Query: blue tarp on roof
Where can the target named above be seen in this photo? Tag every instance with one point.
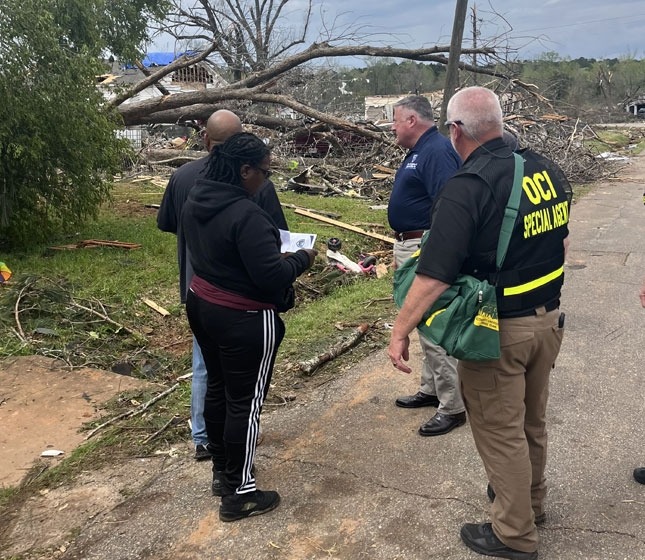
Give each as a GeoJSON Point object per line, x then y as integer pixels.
{"type": "Point", "coordinates": [160, 58]}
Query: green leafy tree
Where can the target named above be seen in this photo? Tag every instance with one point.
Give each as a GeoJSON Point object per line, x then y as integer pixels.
{"type": "Point", "coordinates": [58, 150]}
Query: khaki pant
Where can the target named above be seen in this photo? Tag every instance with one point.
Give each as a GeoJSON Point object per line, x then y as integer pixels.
{"type": "Point", "coordinates": [506, 403]}
{"type": "Point", "coordinates": [439, 371]}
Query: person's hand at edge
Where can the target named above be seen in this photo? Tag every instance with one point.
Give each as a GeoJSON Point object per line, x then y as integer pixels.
{"type": "Point", "coordinates": [311, 253]}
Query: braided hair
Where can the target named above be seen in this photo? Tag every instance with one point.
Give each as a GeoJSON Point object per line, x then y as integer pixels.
{"type": "Point", "coordinates": [226, 159]}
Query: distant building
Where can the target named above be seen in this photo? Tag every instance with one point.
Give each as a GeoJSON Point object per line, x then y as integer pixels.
{"type": "Point", "coordinates": [380, 108]}
{"type": "Point", "coordinates": [197, 77]}
{"type": "Point", "coordinates": [636, 107]}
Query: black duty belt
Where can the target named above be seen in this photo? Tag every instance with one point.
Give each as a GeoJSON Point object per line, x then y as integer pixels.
{"type": "Point", "coordinates": [405, 235]}
{"type": "Point", "coordinates": [547, 307]}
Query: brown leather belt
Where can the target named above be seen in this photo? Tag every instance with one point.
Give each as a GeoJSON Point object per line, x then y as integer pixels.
{"type": "Point", "coordinates": [405, 235]}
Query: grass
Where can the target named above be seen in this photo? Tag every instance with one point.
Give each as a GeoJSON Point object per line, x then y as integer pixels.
{"type": "Point", "coordinates": [630, 140]}
{"type": "Point", "coordinates": [50, 284]}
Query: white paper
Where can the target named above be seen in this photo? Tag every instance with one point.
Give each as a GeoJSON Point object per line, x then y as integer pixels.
{"type": "Point", "coordinates": [292, 242]}
{"type": "Point", "coordinates": [52, 453]}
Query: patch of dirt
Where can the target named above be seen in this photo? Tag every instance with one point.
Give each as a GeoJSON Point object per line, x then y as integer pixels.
{"type": "Point", "coordinates": [43, 405]}
{"type": "Point", "coordinates": [48, 521]}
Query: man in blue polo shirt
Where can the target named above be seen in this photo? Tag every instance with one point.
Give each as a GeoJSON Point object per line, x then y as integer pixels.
{"type": "Point", "coordinates": [429, 163]}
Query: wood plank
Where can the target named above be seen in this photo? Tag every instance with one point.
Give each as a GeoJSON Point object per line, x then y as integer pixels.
{"type": "Point", "coordinates": [384, 169]}
{"type": "Point", "coordinates": [345, 226]}
{"type": "Point", "coordinates": [156, 307]}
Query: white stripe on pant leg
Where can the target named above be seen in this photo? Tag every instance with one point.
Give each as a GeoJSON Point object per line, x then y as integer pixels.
{"type": "Point", "coordinates": [268, 329]}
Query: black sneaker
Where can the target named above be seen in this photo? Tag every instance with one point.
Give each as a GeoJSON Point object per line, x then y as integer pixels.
{"type": "Point", "coordinates": [639, 475]}
{"type": "Point", "coordinates": [239, 506]}
{"type": "Point", "coordinates": [202, 453]}
{"type": "Point", "coordinates": [481, 538]}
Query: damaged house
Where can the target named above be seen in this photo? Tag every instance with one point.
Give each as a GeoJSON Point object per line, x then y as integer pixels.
{"type": "Point", "coordinates": [121, 76]}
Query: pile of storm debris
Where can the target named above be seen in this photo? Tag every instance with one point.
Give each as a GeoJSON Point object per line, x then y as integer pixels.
{"type": "Point", "coordinates": [327, 162]}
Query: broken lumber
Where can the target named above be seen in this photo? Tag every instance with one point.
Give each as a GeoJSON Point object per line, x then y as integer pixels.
{"type": "Point", "coordinates": [90, 243]}
{"type": "Point", "coordinates": [384, 169]}
{"type": "Point", "coordinates": [309, 366]}
{"type": "Point", "coordinates": [156, 307]}
{"type": "Point", "coordinates": [345, 226]}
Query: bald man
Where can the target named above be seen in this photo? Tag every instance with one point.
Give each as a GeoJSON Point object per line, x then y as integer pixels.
{"type": "Point", "coordinates": [220, 126]}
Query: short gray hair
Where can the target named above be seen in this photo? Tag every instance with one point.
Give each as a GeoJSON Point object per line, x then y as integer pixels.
{"type": "Point", "coordinates": [418, 104]}
{"type": "Point", "coordinates": [478, 109]}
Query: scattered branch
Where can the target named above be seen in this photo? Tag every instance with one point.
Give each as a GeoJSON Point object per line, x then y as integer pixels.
{"type": "Point", "coordinates": [133, 412]}
{"type": "Point", "coordinates": [309, 366]}
{"type": "Point", "coordinates": [161, 430]}
{"type": "Point", "coordinates": [107, 319]}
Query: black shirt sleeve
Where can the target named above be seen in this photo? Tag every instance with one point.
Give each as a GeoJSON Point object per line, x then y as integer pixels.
{"type": "Point", "coordinates": [259, 249]}
{"type": "Point", "coordinates": [268, 200]}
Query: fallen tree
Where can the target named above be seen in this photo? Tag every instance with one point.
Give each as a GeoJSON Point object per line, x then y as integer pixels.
{"type": "Point", "coordinates": [264, 87]}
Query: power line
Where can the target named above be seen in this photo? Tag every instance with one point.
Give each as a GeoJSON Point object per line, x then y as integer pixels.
{"type": "Point", "coordinates": [580, 23]}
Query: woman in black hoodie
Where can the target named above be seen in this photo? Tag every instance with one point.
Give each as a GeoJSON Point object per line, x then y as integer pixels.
{"type": "Point", "coordinates": [241, 282]}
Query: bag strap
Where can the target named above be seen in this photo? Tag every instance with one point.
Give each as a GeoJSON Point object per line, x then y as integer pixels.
{"type": "Point", "coordinates": [511, 211]}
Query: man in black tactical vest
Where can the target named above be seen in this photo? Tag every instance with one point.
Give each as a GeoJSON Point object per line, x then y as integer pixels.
{"type": "Point", "coordinates": [505, 398]}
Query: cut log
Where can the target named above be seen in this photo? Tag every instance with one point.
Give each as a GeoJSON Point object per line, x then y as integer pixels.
{"type": "Point", "coordinates": [309, 366]}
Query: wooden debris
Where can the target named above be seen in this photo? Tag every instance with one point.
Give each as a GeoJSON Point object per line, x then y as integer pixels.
{"type": "Point", "coordinates": [132, 412]}
{"type": "Point", "coordinates": [387, 170]}
{"type": "Point", "coordinates": [156, 307]}
{"type": "Point", "coordinates": [90, 243]}
{"type": "Point", "coordinates": [305, 188]}
{"type": "Point", "coordinates": [309, 366]}
{"type": "Point", "coordinates": [345, 226]}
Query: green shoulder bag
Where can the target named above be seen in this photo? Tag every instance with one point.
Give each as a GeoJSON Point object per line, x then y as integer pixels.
{"type": "Point", "coordinates": [463, 320]}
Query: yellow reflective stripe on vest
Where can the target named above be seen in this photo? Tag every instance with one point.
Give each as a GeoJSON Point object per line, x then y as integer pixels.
{"type": "Point", "coordinates": [533, 284]}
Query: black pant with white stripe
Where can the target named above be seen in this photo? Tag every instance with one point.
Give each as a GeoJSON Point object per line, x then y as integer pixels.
{"type": "Point", "coordinates": [239, 349]}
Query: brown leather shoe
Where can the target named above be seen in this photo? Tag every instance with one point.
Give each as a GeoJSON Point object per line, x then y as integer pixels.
{"type": "Point", "coordinates": [441, 424]}
{"type": "Point", "coordinates": [417, 401]}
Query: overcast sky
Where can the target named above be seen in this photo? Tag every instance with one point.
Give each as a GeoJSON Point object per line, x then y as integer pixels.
{"type": "Point", "coordinates": [572, 28]}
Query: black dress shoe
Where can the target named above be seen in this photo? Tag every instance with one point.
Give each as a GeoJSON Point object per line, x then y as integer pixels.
{"type": "Point", "coordinates": [441, 424]}
{"type": "Point", "coordinates": [481, 538]}
{"type": "Point", "coordinates": [639, 475]}
{"type": "Point", "coordinates": [417, 401]}
{"type": "Point", "coordinates": [539, 519]}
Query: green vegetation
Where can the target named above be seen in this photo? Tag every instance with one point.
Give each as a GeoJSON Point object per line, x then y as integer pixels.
{"type": "Point", "coordinates": [57, 143]}
{"type": "Point", "coordinates": [617, 140]}
{"type": "Point", "coordinates": [64, 296]}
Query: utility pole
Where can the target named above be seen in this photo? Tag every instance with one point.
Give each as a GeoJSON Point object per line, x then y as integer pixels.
{"type": "Point", "coordinates": [452, 70]}
{"type": "Point", "coordinates": [473, 18]}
